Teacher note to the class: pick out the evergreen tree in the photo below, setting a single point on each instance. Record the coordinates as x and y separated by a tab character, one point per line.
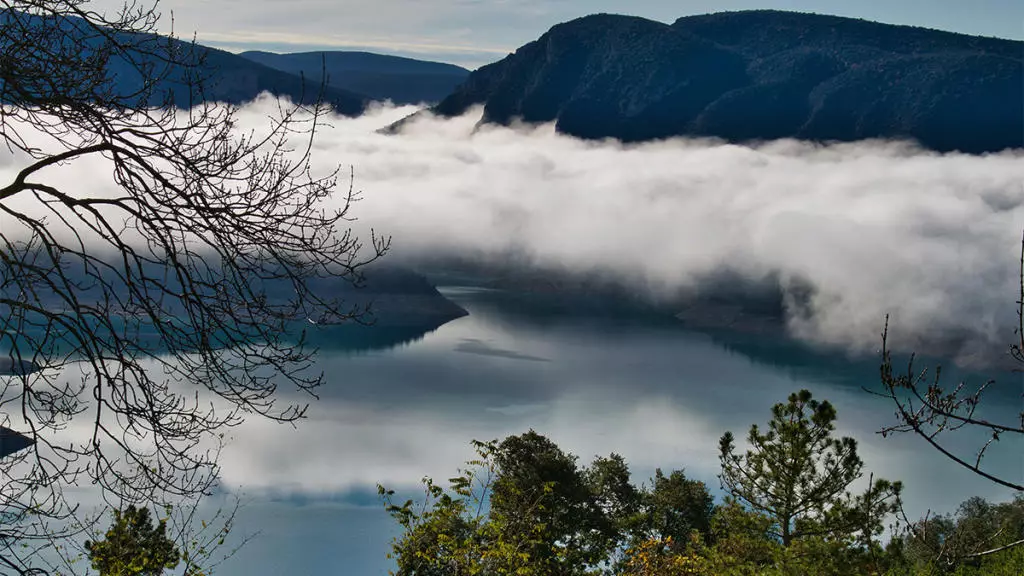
523	506
134	546
798	475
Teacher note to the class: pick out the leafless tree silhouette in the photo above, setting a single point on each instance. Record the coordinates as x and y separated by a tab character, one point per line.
925	407
136	325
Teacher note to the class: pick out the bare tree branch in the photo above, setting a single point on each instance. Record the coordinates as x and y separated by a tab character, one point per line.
142	321
928	410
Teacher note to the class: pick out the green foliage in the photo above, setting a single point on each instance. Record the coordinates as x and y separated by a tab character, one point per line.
743	536
608	480
522	507
677	505
543	501
951	544
656	557
525	507
799	476
134	546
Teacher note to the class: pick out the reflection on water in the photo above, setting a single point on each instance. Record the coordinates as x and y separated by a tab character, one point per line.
356	338
643	387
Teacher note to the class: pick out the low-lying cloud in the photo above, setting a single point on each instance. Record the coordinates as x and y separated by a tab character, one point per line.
872	228
866	229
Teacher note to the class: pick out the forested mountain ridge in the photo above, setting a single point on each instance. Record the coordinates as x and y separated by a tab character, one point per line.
758	75
133	68
181	67
378	76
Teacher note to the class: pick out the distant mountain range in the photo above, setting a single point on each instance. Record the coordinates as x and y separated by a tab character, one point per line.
739	76
353	78
379	77
758	75
31	42
235	80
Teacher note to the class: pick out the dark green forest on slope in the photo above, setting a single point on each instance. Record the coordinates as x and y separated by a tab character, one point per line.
758	75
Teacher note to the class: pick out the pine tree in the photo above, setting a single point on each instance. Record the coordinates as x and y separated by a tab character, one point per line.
134	546
798	475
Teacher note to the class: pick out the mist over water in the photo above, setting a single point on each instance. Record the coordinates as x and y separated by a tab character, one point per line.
847	232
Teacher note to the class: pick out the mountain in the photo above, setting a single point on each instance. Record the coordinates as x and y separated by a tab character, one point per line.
31	39
233	79
400	306
398	297
236	80
381	77
758	75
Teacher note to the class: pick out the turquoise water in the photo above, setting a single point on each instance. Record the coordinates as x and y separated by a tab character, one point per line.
646	388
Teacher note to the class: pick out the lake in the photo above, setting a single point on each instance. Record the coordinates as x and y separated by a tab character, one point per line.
647	388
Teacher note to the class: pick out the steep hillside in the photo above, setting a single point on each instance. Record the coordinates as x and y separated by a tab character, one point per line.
118	66
759	75
380	77
235	79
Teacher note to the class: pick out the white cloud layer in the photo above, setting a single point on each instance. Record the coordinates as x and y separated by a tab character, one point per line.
874	228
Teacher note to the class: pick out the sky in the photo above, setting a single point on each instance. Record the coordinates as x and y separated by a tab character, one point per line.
471	33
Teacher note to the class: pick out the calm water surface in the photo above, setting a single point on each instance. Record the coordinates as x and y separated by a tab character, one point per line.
645	388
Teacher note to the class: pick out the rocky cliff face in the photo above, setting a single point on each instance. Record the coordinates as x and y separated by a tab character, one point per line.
758	75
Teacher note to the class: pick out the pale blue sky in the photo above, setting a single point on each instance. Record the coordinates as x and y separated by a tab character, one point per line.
475	32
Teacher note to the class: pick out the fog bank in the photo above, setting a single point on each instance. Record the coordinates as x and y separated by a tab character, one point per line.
847	233
870	228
